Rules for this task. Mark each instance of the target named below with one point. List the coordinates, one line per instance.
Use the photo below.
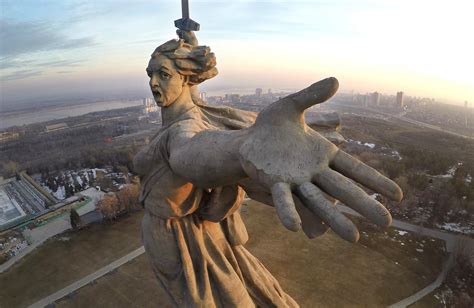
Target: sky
(68, 49)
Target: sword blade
(185, 8)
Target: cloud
(12, 63)
(9, 62)
(21, 42)
(20, 38)
(22, 74)
(61, 63)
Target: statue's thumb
(292, 107)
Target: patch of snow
(92, 193)
(366, 144)
(400, 232)
(419, 250)
(47, 188)
(396, 154)
(456, 227)
(60, 194)
(450, 173)
(94, 171)
(374, 196)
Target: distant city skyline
(61, 49)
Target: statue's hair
(195, 62)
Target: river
(59, 112)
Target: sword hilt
(186, 23)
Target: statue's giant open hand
(287, 156)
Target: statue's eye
(149, 72)
(165, 75)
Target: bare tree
(109, 206)
(128, 198)
(76, 221)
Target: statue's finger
(318, 203)
(312, 225)
(316, 93)
(365, 175)
(285, 206)
(341, 188)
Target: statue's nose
(154, 81)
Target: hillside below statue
(197, 168)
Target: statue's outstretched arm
(287, 158)
(208, 158)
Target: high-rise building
(258, 92)
(375, 98)
(366, 100)
(232, 98)
(400, 98)
(149, 105)
(203, 96)
(235, 98)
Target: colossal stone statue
(197, 168)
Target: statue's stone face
(166, 83)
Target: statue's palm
(287, 156)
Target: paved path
(86, 280)
(428, 289)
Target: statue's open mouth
(156, 94)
